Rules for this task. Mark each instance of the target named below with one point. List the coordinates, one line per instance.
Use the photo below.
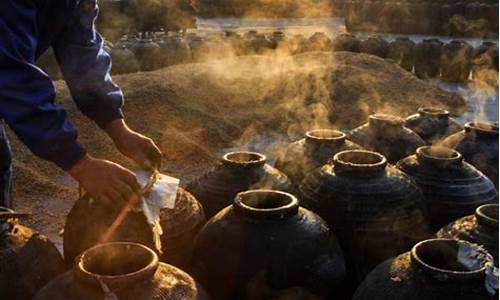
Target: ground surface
(197, 111)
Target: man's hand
(105, 180)
(134, 145)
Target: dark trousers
(5, 170)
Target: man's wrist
(80, 166)
(116, 129)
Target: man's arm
(27, 105)
(86, 66)
(27, 94)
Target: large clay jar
(89, 220)
(298, 44)
(375, 45)
(427, 54)
(387, 135)
(375, 210)
(346, 42)
(452, 188)
(401, 51)
(480, 228)
(174, 50)
(147, 53)
(236, 172)
(264, 246)
(313, 151)
(28, 260)
(455, 61)
(124, 60)
(319, 41)
(484, 63)
(432, 124)
(259, 44)
(478, 144)
(125, 271)
(434, 269)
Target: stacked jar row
(453, 19)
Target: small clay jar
(236, 172)
(480, 228)
(89, 220)
(124, 60)
(264, 246)
(401, 51)
(346, 42)
(313, 151)
(367, 203)
(174, 50)
(455, 61)
(478, 144)
(319, 41)
(432, 124)
(427, 55)
(387, 135)
(434, 269)
(125, 271)
(147, 53)
(28, 260)
(375, 45)
(452, 188)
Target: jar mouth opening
(358, 163)
(487, 214)
(484, 128)
(262, 203)
(451, 258)
(434, 112)
(385, 119)
(438, 155)
(322, 135)
(117, 260)
(244, 159)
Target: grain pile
(195, 111)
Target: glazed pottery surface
(432, 124)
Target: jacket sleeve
(27, 94)
(86, 66)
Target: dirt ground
(197, 111)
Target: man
(27, 29)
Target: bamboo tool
(10, 214)
(129, 206)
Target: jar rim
(385, 120)
(244, 159)
(424, 252)
(265, 204)
(146, 270)
(438, 156)
(359, 163)
(482, 128)
(434, 112)
(487, 214)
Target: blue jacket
(27, 29)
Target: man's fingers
(125, 190)
(129, 178)
(154, 155)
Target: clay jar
(319, 41)
(236, 172)
(89, 220)
(452, 188)
(174, 50)
(427, 54)
(387, 135)
(375, 45)
(375, 210)
(28, 260)
(346, 42)
(313, 151)
(432, 124)
(124, 60)
(455, 61)
(484, 63)
(264, 246)
(433, 269)
(147, 53)
(480, 228)
(478, 144)
(125, 271)
(401, 51)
